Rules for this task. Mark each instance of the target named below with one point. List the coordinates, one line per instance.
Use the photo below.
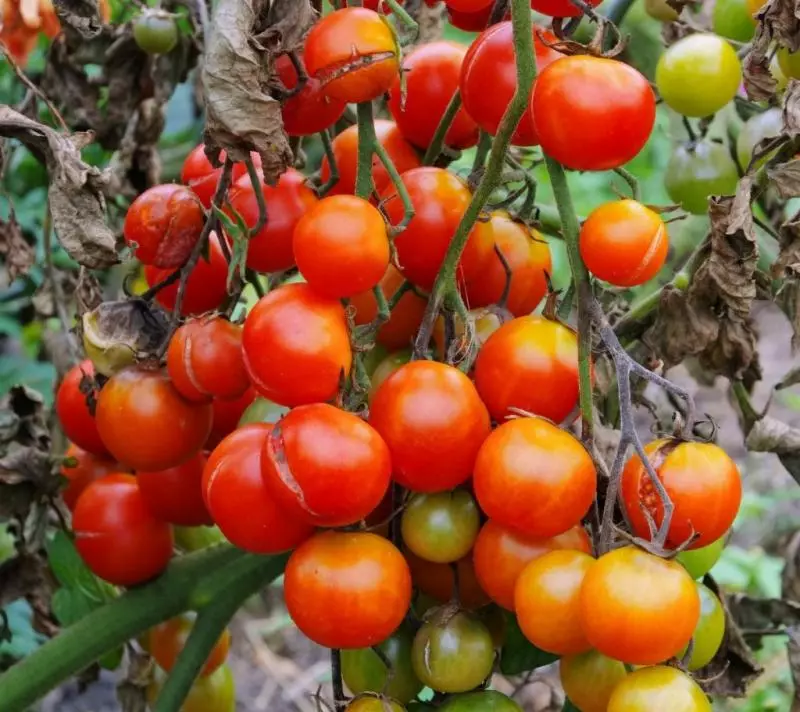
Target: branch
(367, 141)
(437, 143)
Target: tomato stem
(255, 182)
(399, 186)
(333, 179)
(631, 180)
(339, 699)
(366, 147)
(406, 19)
(437, 143)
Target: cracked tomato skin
(175, 495)
(198, 173)
(659, 687)
(77, 421)
(309, 111)
(702, 481)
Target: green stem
(333, 178)
(435, 149)
(401, 14)
(617, 9)
(400, 187)
(631, 180)
(255, 182)
(367, 140)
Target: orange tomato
(438, 582)
(167, 640)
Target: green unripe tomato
(698, 562)
(155, 31)
(698, 170)
(710, 629)
(768, 124)
(370, 703)
(486, 701)
(387, 367)
(789, 63)
(660, 10)
(374, 357)
(262, 410)
(732, 19)
(441, 527)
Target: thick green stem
(435, 149)
(366, 147)
(399, 186)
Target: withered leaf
(779, 22)
(21, 575)
(81, 15)
(788, 262)
(788, 299)
(791, 108)
(132, 690)
(786, 177)
(287, 24)
(18, 254)
(772, 435)
(763, 614)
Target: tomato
(386, 368)
(528, 257)
(215, 693)
(732, 19)
(433, 421)
(345, 152)
(440, 200)
(270, 249)
(533, 477)
(484, 701)
(77, 421)
(204, 359)
(710, 629)
(432, 74)
(501, 554)
(698, 170)
(698, 562)
(467, 5)
(87, 469)
(175, 495)
(698, 74)
(754, 6)
(347, 589)
(489, 79)
(471, 21)
(703, 483)
(766, 125)
(354, 54)
(638, 608)
(364, 671)
(167, 641)
(206, 287)
(117, 536)
(530, 363)
(438, 582)
(441, 527)
(589, 679)
(370, 703)
(155, 32)
(341, 246)
(624, 243)
(198, 173)
(309, 111)
(660, 10)
(452, 652)
(238, 500)
(789, 62)
(227, 414)
(326, 466)
(296, 345)
(658, 688)
(592, 113)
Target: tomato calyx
(596, 46)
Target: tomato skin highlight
(589, 679)
(660, 685)
(167, 640)
(175, 495)
(310, 111)
(74, 416)
(87, 469)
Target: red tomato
(202, 177)
(433, 421)
(354, 53)
(489, 79)
(468, 5)
(147, 424)
(326, 466)
(592, 113)
(117, 536)
(530, 363)
(77, 421)
(296, 346)
(438, 582)
(345, 151)
(472, 21)
(240, 503)
(270, 250)
(175, 495)
(501, 554)
(432, 71)
(88, 468)
(702, 481)
(440, 200)
(310, 111)
(341, 246)
(226, 416)
(560, 8)
(347, 589)
(167, 640)
(533, 477)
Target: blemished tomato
(309, 111)
(386, 368)
(768, 124)
(547, 601)
(698, 74)
(438, 582)
(592, 113)
(227, 414)
(589, 679)
(164, 223)
(452, 653)
(371, 703)
(501, 554)
(215, 693)
(433, 421)
(206, 287)
(698, 170)
(710, 629)
(341, 246)
(87, 469)
(175, 495)
(345, 151)
(326, 466)
(638, 608)
(733, 19)
(489, 79)
(167, 640)
(432, 72)
(484, 701)
(117, 536)
(270, 249)
(698, 562)
(364, 671)
(204, 360)
(441, 527)
(789, 62)
(147, 424)
(530, 363)
(296, 345)
(658, 687)
(533, 477)
(440, 200)
(202, 177)
(528, 257)
(703, 483)
(354, 54)
(624, 243)
(347, 589)
(77, 421)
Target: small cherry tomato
(589, 679)
(467, 5)
(309, 111)
(347, 589)
(386, 368)
(638, 608)
(77, 421)
(262, 410)
(658, 687)
(227, 414)
(441, 527)
(710, 629)
(155, 31)
(438, 582)
(175, 495)
(470, 21)
(371, 703)
(167, 640)
(698, 170)
(117, 536)
(484, 701)
(560, 8)
(198, 173)
(732, 19)
(87, 469)
(766, 125)
(698, 562)
(296, 345)
(215, 693)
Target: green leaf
(519, 654)
(569, 707)
(112, 660)
(239, 233)
(70, 605)
(34, 374)
(72, 572)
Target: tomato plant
(77, 420)
(643, 689)
(214, 693)
(198, 173)
(175, 495)
(589, 679)
(86, 469)
(698, 170)
(441, 527)
(710, 629)
(155, 32)
(167, 640)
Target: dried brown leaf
(791, 108)
(772, 435)
(788, 299)
(19, 256)
(779, 22)
(81, 15)
(786, 177)
(788, 262)
(132, 690)
(21, 575)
